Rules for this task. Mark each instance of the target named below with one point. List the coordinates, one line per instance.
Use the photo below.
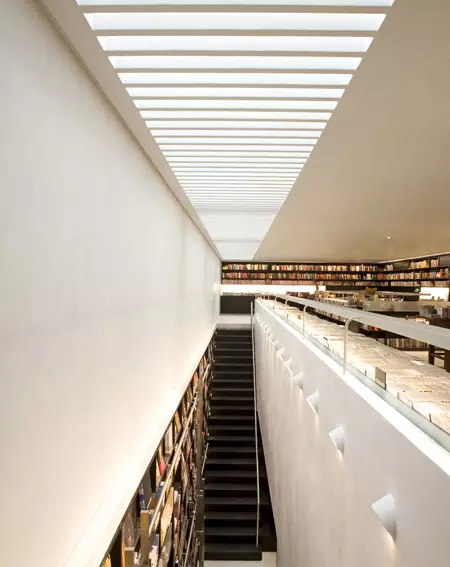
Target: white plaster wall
(322, 500)
(108, 297)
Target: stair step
(231, 428)
(215, 440)
(237, 449)
(234, 399)
(224, 487)
(237, 531)
(235, 464)
(225, 390)
(225, 411)
(214, 419)
(232, 552)
(237, 474)
(233, 382)
(214, 502)
(233, 374)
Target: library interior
(225, 275)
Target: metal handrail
(437, 336)
(256, 427)
(170, 472)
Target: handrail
(171, 470)
(437, 336)
(256, 427)
(191, 531)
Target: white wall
(108, 296)
(321, 499)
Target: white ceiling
(377, 186)
(235, 93)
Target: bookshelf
(405, 274)
(160, 526)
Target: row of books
(243, 267)
(442, 273)
(403, 343)
(324, 268)
(311, 276)
(175, 492)
(416, 264)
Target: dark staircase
(230, 471)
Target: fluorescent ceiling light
(237, 104)
(241, 155)
(215, 43)
(234, 92)
(235, 78)
(180, 115)
(235, 147)
(233, 162)
(192, 160)
(243, 170)
(386, 3)
(230, 133)
(240, 21)
(236, 124)
(298, 142)
(234, 62)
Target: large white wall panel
(321, 499)
(108, 296)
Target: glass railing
(405, 379)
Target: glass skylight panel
(235, 92)
(242, 21)
(167, 43)
(237, 104)
(160, 133)
(239, 140)
(235, 147)
(233, 115)
(381, 3)
(234, 62)
(234, 162)
(235, 124)
(260, 154)
(339, 79)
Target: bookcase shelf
(158, 527)
(412, 273)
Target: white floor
(268, 560)
(234, 322)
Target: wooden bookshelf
(407, 274)
(158, 529)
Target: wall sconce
(298, 380)
(386, 511)
(337, 435)
(313, 401)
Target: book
(168, 441)
(166, 517)
(177, 422)
(129, 531)
(145, 492)
(154, 552)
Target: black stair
(230, 471)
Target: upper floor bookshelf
(410, 273)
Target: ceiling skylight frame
(236, 93)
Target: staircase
(230, 471)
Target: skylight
(236, 93)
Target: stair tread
(234, 461)
(236, 474)
(233, 427)
(224, 389)
(246, 398)
(237, 530)
(216, 410)
(230, 487)
(236, 449)
(236, 500)
(233, 417)
(213, 515)
(240, 438)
